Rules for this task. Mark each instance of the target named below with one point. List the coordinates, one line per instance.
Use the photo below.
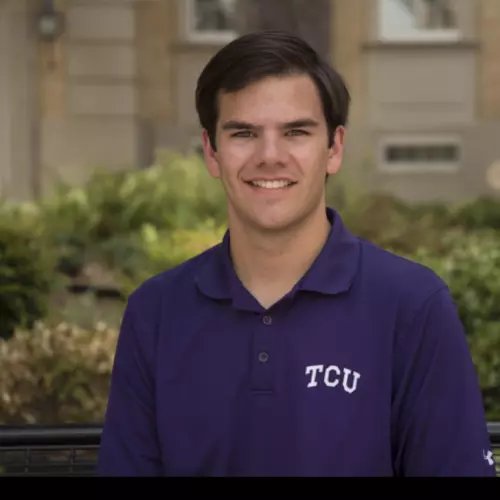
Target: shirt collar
(331, 273)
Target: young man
(293, 348)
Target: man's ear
(210, 155)
(335, 154)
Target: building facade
(108, 82)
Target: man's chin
(275, 224)
(268, 220)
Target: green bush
(162, 250)
(461, 242)
(481, 213)
(56, 375)
(100, 221)
(471, 268)
(138, 223)
(389, 222)
(26, 271)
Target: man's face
(272, 152)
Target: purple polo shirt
(361, 370)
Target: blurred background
(102, 184)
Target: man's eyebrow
(302, 123)
(238, 125)
(242, 125)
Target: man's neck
(269, 265)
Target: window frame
(445, 35)
(206, 37)
(412, 167)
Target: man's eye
(297, 132)
(243, 133)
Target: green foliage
(138, 223)
(26, 271)
(163, 250)
(390, 223)
(56, 375)
(461, 242)
(485, 351)
(104, 219)
(482, 213)
(174, 192)
(471, 268)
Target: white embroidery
(488, 456)
(331, 377)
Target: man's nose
(272, 150)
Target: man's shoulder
(409, 281)
(171, 280)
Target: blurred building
(107, 82)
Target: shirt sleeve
(439, 422)
(129, 444)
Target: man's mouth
(275, 184)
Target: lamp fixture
(50, 22)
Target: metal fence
(71, 450)
(67, 450)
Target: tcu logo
(332, 377)
(489, 457)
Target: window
(211, 20)
(413, 20)
(420, 154)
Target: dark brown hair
(261, 54)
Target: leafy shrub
(471, 267)
(163, 250)
(176, 191)
(139, 223)
(169, 249)
(391, 223)
(53, 376)
(67, 219)
(102, 220)
(461, 242)
(26, 272)
(481, 213)
(485, 351)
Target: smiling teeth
(271, 184)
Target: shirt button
(263, 357)
(267, 320)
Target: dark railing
(72, 450)
(67, 450)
